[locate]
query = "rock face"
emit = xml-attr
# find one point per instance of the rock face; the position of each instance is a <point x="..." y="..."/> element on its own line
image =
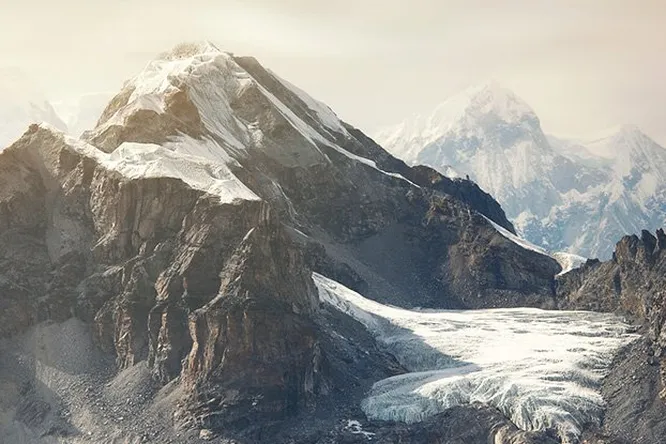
<point x="633" y="283"/>
<point x="184" y="230"/>
<point x="253" y="344"/>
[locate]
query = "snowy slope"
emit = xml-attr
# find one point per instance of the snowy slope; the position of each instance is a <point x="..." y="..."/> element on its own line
<point x="542" y="369"/>
<point x="144" y="160"/>
<point x="575" y="196"/>
<point x="22" y="103"/>
<point x="491" y="134"/>
<point x="567" y="261"/>
<point x="216" y="82"/>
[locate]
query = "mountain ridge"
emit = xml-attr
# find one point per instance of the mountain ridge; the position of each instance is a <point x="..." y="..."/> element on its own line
<point x="547" y="186"/>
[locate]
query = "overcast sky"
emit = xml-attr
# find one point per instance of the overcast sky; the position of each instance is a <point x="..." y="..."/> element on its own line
<point x="583" y="65"/>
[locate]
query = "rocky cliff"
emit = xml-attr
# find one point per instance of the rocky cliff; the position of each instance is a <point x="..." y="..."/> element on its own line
<point x="633" y="283"/>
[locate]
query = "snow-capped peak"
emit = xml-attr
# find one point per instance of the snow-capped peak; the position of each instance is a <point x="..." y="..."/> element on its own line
<point x="190" y="49"/>
<point x="477" y="108"/>
<point x="231" y="105"/>
<point x="493" y="98"/>
<point x="619" y="140"/>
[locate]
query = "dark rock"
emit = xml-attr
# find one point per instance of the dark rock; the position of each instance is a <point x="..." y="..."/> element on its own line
<point x="633" y="284"/>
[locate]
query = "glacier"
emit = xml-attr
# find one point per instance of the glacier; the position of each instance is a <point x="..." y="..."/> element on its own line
<point x="542" y="369"/>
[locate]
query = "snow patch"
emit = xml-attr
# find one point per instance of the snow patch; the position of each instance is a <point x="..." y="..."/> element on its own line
<point x="517" y="240"/>
<point x="568" y="261"/>
<point x="354" y="427"/>
<point x="178" y="159"/>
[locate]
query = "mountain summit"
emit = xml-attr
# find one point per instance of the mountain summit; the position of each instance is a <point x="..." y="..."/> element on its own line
<point x="475" y="109"/>
<point x="563" y="195"/>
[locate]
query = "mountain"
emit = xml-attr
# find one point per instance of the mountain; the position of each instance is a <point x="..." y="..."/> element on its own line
<point x="156" y="275"/>
<point x="81" y="113"/>
<point x="563" y="195"/>
<point x="632" y="283"/>
<point x="22" y="104"/>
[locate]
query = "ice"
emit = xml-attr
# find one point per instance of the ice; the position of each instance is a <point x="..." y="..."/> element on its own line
<point x="324" y="114"/>
<point x="541" y="369"/>
<point x="182" y="158"/>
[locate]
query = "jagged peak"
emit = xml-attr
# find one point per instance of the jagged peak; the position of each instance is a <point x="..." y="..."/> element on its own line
<point x="622" y="130"/>
<point x="622" y="140"/>
<point x="186" y="50"/>
<point x="41" y="129"/>
<point x="467" y="111"/>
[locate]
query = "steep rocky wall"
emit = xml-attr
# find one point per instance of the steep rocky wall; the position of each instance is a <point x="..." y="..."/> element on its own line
<point x="633" y="283"/>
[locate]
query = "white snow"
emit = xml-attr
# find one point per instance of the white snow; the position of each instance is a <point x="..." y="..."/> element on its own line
<point x="582" y="195"/>
<point x="541" y="369"/>
<point x="407" y="139"/>
<point x="568" y="261"/>
<point x="517" y="240"/>
<point x="355" y="428"/>
<point x="144" y="160"/>
<point x="214" y="81"/>
<point x="323" y="113"/>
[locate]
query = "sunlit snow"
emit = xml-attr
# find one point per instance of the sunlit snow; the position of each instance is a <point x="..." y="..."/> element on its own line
<point x="214" y="80"/>
<point x="189" y="164"/>
<point x="542" y="369"/>
<point x="568" y="261"/>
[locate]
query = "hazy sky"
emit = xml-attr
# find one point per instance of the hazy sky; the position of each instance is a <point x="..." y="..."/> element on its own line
<point x="583" y="65"/>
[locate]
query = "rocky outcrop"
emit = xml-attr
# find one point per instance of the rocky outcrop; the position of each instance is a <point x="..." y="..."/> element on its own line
<point x="632" y="283"/>
<point x="462" y="189"/>
<point x="255" y="348"/>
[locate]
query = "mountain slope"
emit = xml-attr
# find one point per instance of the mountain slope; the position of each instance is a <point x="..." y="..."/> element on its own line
<point x="181" y="235"/>
<point x="562" y="195"/>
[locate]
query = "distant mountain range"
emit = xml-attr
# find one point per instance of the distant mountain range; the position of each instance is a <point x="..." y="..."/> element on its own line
<point x="22" y="103"/>
<point x="579" y="196"/>
<point x="81" y="113"/>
